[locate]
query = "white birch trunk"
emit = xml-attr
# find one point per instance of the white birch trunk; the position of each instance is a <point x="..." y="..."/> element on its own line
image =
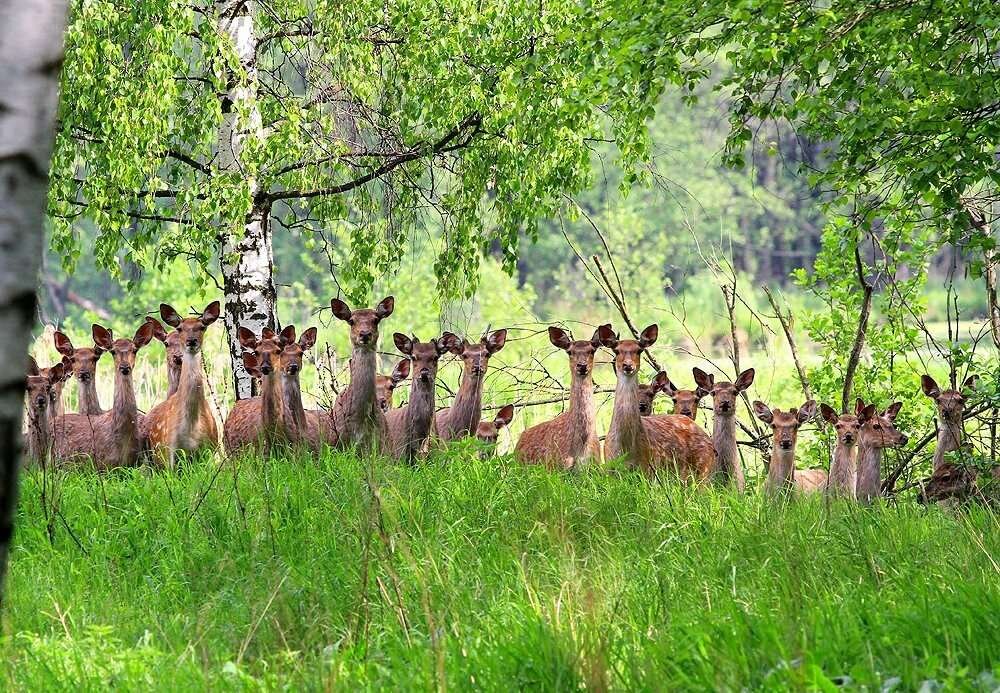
<point x="245" y="255"/>
<point x="31" y="50"/>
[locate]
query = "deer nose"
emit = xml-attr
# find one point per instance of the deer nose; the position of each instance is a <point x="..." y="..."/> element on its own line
<point x="628" y="368"/>
<point x="643" y="407"/>
<point x="266" y="369"/>
<point x="785" y="445"/>
<point x="41" y="401"/>
<point x="848" y="439"/>
<point x="725" y="406"/>
<point x="581" y="368"/>
<point x="192" y="343"/>
<point x="425" y="375"/>
<point x="178" y="359"/>
<point x="383" y="405"/>
<point x="84" y="377"/>
<point x="125" y="370"/>
<point x="364" y="336"/>
<point x="293" y="368"/>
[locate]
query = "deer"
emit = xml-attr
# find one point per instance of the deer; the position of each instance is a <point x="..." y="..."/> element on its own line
<point x="110" y="439"/>
<point x="257" y="420"/>
<point x="569" y="441"/>
<point x="948" y="480"/>
<point x="877" y="432"/>
<point x="409" y="426"/>
<point x="781" y="472"/>
<point x="385" y="384"/>
<point x="84" y="361"/>
<point x="301" y="427"/>
<point x="184" y="421"/>
<point x="729" y="467"/>
<point x="40" y="410"/>
<point x="56" y="407"/>
<point x="650" y="443"/>
<point x="175" y="352"/>
<point x="647" y="393"/>
<point x="462" y="418"/>
<point x="686" y="402"/>
<point x="355" y="418"/>
<point x="843" y="479"/>
<point x="487" y="432"/>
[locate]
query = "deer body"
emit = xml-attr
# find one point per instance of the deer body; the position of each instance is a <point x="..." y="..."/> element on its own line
<point x="729" y="466"/>
<point x="409" y="427"/>
<point x="877" y="433"/>
<point x="462" y="418"/>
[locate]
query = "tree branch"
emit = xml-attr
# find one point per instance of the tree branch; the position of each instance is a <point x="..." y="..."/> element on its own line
<point x="859" y="337"/>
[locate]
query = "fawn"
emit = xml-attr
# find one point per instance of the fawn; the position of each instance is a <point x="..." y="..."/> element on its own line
<point x="647" y="393"/>
<point x="878" y="431"/>
<point x="110" y="439"/>
<point x="40" y="410"/>
<point x="568" y="441"/>
<point x="843" y="478"/>
<point x="258" y="419"/>
<point x="686" y="402"/>
<point x="175" y="353"/>
<point x="729" y="467"/>
<point x="487" y="432"/>
<point x="409" y="426"/>
<point x="184" y="420"/>
<point x="84" y="361"/>
<point x="301" y="427"/>
<point x="781" y="472"/>
<point x="650" y="443"/>
<point x="462" y="417"/>
<point x="385" y="384"/>
<point x="355" y="418"/>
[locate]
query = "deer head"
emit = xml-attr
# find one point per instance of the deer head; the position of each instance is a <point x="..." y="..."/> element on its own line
<point x="878" y="431"/>
<point x="39" y="383"/>
<point x="647" y="393"/>
<point x="84" y="360"/>
<point x="423" y="356"/>
<point x="950" y="403"/>
<point x="488" y="431"/>
<point x="171" y="341"/>
<point x="724" y="393"/>
<point x="363" y="321"/>
<point x="475" y="355"/>
<point x="385" y="384"/>
<point x="266" y="350"/>
<point x="290" y="358"/>
<point x="785" y="425"/>
<point x="581" y="352"/>
<point x="686" y="402"/>
<point x="123" y="351"/>
<point x="192" y="329"/>
<point x="847" y="426"/>
<point x="627" y="351"/>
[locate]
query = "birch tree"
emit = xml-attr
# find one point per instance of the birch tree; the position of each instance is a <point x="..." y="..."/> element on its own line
<point x="31" y="35"/>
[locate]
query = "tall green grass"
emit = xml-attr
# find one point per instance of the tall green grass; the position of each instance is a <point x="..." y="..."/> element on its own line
<point x="341" y="573"/>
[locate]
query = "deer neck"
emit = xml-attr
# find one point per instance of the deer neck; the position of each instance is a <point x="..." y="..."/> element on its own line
<point x="949" y="438"/>
<point x="191" y="387"/>
<point x="124" y="414"/>
<point x="467" y="410"/>
<point x="781" y="472"/>
<point x="419" y="410"/>
<point x="581" y="406"/>
<point x="724" y="442"/>
<point x="626" y="433"/>
<point x="293" y="413"/>
<point x="843" y="476"/>
<point x="360" y="393"/>
<point x="869" y="472"/>
<point x="270" y="401"/>
<point x="173" y="377"/>
<point x="39" y="433"/>
<point x="88" y="402"/>
<point x="57" y="398"/>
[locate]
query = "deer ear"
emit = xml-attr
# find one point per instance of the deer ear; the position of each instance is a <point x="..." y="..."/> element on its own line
<point x="763" y="412"/>
<point x="57" y="373"/>
<point x="102" y="337"/>
<point x="504" y="416"/>
<point x="704" y="381"/>
<point x="246" y="338"/>
<point x="970" y="382"/>
<point x="495" y="341"/>
<point x="866" y="413"/>
<point x="63" y="345"/>
<point x="452" y="343"/>
<point x="929" y="386"/>
<point x="341" y="310"/>
<point x="606" y="335"/>
<point x="308" y="338"/>
<point x="211" y="313"/>
<point x="251" y="364"/>
<point x="32" y="366"/>
<point x="158" y="331"/>
<point x="859" y="406"/>
<point x="403" y="343"/>
<point x="143" y="335"/>
<point x="827" y="412"/>
<point x="67" y="367"/>
<point x="807" y="411"/>
<point x="287" y="335"/>
<point x="401" y="372"/>
<point x="745" y="379"/>
<point x="384" y="308"/>
<point x="671" y="390"/>
<point x="595" y="341"/>
<point x="893" y="411"/>
<point x="661" y="382"/>
<point x="559" y="338"/>
<point x="169" y="315"/>
<point x="648" y="336"/>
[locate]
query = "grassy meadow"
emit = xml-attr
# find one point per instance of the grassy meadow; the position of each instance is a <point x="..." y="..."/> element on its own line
<point x="343" y="573"/>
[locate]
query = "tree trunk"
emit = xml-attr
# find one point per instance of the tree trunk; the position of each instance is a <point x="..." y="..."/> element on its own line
<point x="31" y="44"/>
<point x="245" y="255"/>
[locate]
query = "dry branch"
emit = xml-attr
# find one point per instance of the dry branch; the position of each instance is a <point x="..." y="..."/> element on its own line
<point x="787" y="328"/>
<point x="859" y="337"/>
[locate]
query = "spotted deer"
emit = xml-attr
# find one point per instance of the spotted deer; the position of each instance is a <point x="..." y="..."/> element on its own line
<point x="781" y="472"/>
<point x="110" y="439"/>
<point x="409" y="426"/>
<point x="257" y="420"/>
<point x="878" y="432"/>
<point x="184" y="421"/>
<point x="40" y="383"/>
<point x="385" y="384"/>
<point x="667" y="442"/>
<point x="175" y="353"/>
<point x="487" y="432"/>
<point x="84" y="361"/>
<point x="569" y="441"/>
<point x="729" y="467"/>
<point x="301" y="427"/>
<point x="462" y="418"/>
<point x="843" y="479"/>
<point x="686" y="402"/>
<point x="355" y="418"/>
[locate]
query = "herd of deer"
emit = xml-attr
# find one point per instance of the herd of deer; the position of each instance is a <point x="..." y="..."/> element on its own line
<point x="363" y="414"/>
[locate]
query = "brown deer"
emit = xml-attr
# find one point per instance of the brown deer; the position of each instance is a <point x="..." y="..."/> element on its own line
<point x="843" y="478"/>
<point x="40" y="414"/>
<point x="878" y="431"/>
<point x="647" y="393"/>
<point x="175" y="353"/>
<point x="56" y="407"/>
<point x="686" y="402"/>
<point x="409" y="426"/>
<point x="110" y="439"/>
<point x="487" y="432"/>
<point x="781" y="473"/>
<point x="84" y="361"/>
<point x="257" y="420"/>
<point x="184" y="421"/>
<point x="729" y="467"/>
<point x="568" y="441"/>
<point x="355" y="418"/>
<point x="650" y="443"/>
<point x="462" y="418"/>
<point x="301" y="427"/>
<point x="948" y="480"/>
<point x="385" y="384"/>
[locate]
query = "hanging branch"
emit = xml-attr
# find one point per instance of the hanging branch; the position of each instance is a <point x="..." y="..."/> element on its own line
<point x="787" y="328"/>
<point x="859" y="337"/>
